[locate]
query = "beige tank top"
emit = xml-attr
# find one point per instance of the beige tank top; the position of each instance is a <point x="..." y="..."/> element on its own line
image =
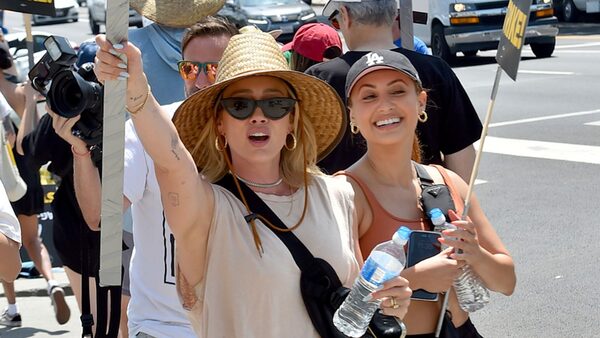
<point x="244" y="295"/>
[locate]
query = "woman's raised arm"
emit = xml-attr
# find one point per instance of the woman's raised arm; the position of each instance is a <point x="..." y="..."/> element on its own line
<point x="187" y="199"/>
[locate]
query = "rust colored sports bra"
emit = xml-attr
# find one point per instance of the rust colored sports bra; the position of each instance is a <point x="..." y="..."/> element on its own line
<point x="384" y="224"/>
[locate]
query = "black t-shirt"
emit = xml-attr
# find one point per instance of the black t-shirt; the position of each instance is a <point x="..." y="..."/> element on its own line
<point x="44" y="145"/>
<point x="453" y="123"/>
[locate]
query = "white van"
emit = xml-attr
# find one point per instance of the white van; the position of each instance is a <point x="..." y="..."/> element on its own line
<point x="471" y="25"/>
<point x="569" y="10"/>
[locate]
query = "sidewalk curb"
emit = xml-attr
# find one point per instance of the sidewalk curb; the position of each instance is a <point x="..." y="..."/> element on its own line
<point x="39" y="292"/>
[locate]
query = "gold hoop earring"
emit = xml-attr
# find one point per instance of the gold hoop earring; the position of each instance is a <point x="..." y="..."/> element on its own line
<point x="423" y="117"/>
<point x="294" y="143"/>
<point x="353" y="128"/>
<point x="218" y="143"/>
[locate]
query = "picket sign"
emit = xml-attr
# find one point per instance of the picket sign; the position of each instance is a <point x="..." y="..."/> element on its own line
<point x="117" y="23"/>
<point x="406" y="24"/>
<point x="508" y="57"/>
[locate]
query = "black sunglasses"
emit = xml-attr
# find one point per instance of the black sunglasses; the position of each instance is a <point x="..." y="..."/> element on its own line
<point x="334" y="21"/>
<point x="273" y="108"/>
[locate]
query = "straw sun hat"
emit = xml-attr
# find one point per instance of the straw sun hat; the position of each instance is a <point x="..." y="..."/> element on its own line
<point x="254" y="53"/>
<point x="176" y="13"/>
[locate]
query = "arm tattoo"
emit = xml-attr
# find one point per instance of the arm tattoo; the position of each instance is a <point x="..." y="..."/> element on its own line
<point x="173" y="199"/>
<point x="135" y="98"/>
<point x="174" y="143"/>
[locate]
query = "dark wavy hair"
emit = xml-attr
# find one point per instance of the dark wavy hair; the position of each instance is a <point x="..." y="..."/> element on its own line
<point x="209" y="26"/>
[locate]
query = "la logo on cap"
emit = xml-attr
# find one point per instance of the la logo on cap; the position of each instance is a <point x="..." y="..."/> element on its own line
<point x="374" y="59"/>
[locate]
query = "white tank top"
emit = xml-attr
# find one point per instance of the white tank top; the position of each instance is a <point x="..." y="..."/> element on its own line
<point x="245" y="295"/>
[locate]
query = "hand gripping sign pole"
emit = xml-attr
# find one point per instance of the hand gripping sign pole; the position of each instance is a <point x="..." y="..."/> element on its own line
<point x="508" y="58"/>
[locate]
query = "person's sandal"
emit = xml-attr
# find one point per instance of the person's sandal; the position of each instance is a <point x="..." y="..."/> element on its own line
<point x="61" y="308"/>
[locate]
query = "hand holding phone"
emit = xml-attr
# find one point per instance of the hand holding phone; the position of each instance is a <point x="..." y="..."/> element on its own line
<point x="422" y="245"/>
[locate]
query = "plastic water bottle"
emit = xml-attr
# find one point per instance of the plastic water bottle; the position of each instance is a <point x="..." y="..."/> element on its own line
<point x="385" y="262"/>
<point x="439" y="222"/>
<point x="471" y="293"/>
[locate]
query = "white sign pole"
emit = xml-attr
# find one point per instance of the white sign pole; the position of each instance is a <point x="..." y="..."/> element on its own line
<point x="474" y="173"/>
<point x="117" y="23"/>
<point x="405" y="15"/>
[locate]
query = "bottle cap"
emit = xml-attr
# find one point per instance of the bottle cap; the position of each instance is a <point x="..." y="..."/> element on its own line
<point x="437" y="216"/>
<point x="401" y="235"/>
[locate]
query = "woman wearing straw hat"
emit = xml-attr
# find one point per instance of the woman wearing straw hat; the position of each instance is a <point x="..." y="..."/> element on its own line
<point x="264" y="125"/>
<point x="386" y="101"/>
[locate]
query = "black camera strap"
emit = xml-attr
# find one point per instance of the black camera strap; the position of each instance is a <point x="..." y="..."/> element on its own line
<point x="105" y="327"/>
<point x="87" y="320"/>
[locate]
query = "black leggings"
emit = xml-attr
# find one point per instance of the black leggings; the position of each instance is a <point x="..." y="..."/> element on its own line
<point x="467" y="330"/>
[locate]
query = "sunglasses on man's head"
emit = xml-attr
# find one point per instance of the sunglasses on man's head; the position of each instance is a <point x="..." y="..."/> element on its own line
<point x="273" y="108"/>
<point x="189" y="70"/>
<point x="333" y="19"/>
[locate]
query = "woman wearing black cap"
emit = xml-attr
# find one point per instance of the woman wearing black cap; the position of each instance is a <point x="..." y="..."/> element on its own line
<point x="386" y="101"/>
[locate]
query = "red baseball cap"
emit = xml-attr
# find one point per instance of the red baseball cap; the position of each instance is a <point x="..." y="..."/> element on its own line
<point x="311" y="41"/>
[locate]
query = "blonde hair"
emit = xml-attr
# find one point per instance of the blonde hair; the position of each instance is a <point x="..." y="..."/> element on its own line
<point x="293" y="164"/>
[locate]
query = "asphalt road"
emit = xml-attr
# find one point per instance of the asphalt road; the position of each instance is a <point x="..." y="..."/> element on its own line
<point x="540" y="180"/>
<point x="541" y="166"/>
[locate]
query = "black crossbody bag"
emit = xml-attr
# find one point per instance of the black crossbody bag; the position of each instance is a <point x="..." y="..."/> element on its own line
<point x="322" y="291"/>
<point x="433" y="195"/>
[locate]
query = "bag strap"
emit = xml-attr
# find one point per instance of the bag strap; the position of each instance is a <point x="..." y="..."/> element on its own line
<point x="302" y="256"/>
<point x="423" y="176"/>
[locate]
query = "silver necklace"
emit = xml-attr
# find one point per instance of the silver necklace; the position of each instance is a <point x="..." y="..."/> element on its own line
<point x="260" y="185"/>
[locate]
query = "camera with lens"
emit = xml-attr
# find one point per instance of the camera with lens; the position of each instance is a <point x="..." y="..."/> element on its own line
<point x="70" y="92"/>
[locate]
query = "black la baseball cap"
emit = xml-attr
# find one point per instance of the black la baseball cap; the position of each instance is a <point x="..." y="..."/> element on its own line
<point x="377" y="60"/>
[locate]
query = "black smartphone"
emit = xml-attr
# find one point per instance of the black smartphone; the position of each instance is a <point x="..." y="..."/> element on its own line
<point x="422" y="245"/>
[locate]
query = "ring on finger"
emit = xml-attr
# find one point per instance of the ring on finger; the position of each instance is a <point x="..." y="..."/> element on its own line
<point x="393" y="303"/>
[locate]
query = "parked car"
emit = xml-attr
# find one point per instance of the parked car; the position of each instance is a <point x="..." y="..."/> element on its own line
<point x="233" y="14"/>
<point x="268" y="15"/>
<point x="66" y="10"/>
<point x="97" y="15"/>
<point x="570" y="10"/>
<point x="469" y="26"/>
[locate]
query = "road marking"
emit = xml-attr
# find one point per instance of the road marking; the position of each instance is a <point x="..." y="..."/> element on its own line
<point x="544" y="118"/>
<point x="544" y="72"/>
<point x="540" y="149"/>
<point x="577" y="37"/>
<point x="597" y="123"/>
<point x="577" y="51"/>
<point x="478" y="181"/>
<point x="590" y="44"/>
